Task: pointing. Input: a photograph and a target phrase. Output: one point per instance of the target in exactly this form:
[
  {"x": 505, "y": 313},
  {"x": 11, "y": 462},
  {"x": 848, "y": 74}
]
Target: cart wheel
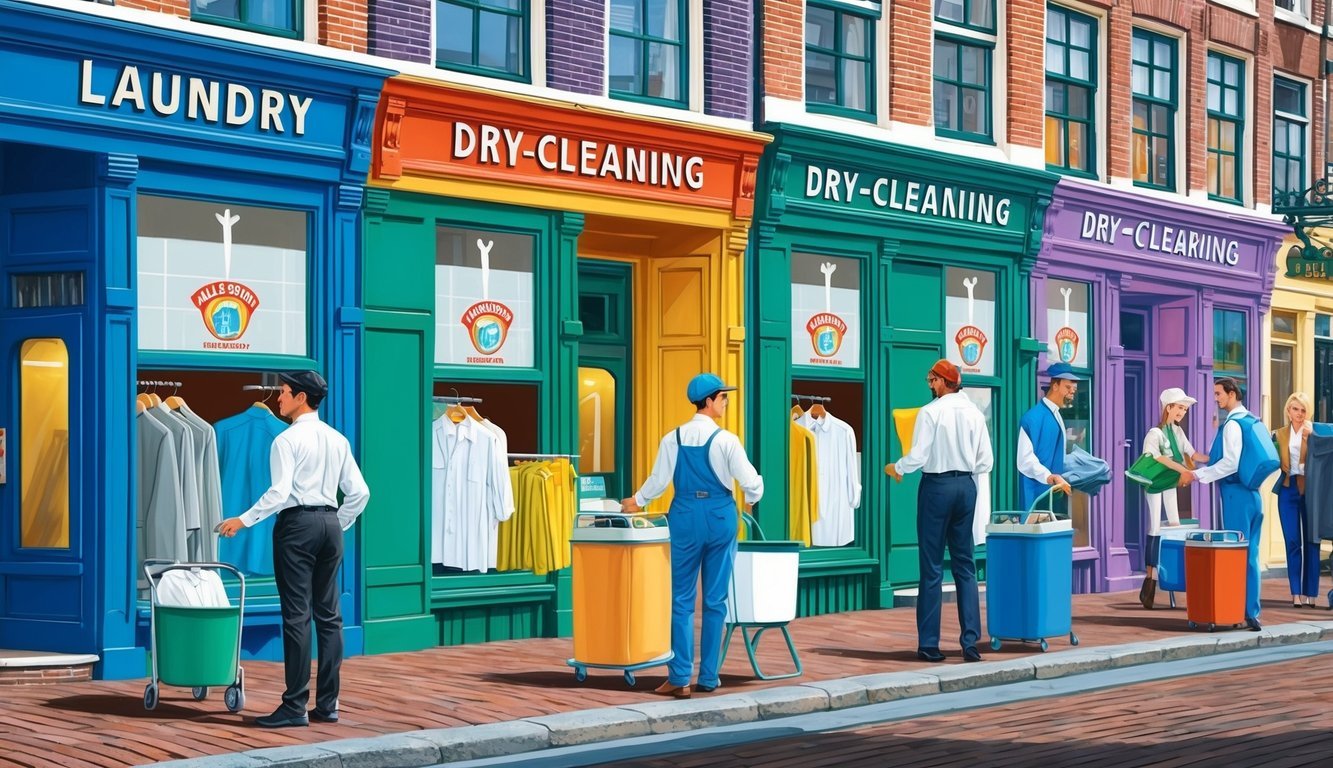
[
  {"x": 150, "y": 696},
  {"x": 1044, "y": 645},
  {"x": 1073, "y": 639},
  {"x": 1212, "y": 627},
  {"x": 234, "y": 698},
  {"x": 629, "y": 678},
  {"x": 199, "y": 692},
  {"x": 1192, "y": 625},
  {"x": 580, "y": 674},
  {"x": 995, "y": 643}
]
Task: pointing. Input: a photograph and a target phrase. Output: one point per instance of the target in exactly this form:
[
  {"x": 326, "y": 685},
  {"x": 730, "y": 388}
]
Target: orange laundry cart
[
  {"x": 622, "y": 593},
  {"x": 1215, "y": 578}
]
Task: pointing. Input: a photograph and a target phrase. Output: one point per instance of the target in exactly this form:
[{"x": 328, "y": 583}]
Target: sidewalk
[{"x": 104, "y": 723}]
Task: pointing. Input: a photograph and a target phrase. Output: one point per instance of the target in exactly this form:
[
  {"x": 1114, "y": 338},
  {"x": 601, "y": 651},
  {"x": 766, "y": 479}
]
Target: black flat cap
[{"x": 308, "y": 382}]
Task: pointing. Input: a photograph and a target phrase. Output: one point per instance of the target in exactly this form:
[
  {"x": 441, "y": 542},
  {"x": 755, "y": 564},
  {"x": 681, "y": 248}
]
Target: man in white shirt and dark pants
[
  {"x": 951, "y": 445},
  {"x": 310, "y": 463}
]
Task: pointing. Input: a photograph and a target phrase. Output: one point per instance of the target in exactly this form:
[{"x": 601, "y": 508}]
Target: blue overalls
[
  {"x": 1242, "y": 510},
  {"x": 703, "y": 526}
]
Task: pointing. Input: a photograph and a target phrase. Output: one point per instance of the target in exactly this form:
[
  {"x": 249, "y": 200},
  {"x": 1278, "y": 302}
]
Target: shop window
[
  {"x": 272, "y": 17},
  {"x": 839, "y": 61},
  {"x": 1284, "y": 383},
  {"x": 44, "y": 451},
  {"x": 1078, "y": 432},
  {"x": 1068, "y": 305},
  {"x": 1226, "y": 127},
  {"x": 221, "y": 278},
  {"x": 826, "y": 311},
  {"x": 487, "y": 37},
  {"x": 484, "y": 304},
  {"x": 1071, "y": 90},
  {"x": 1284, "y": 326},
  {"x": 648, "y": 58},
  {"x": 1154, "y": 118},
  {"x": 1230, "y": 346},
  {"x": 47, "y": 289},
  {"x": 598, "y": 426},
  {"x": 836, "y": 422},
  {"x": 1322, "y": 325},
  {"x": 1133, "y": 331},
  {"x": 969, "y": 320},
  {"x": 1291, "y": 121}
]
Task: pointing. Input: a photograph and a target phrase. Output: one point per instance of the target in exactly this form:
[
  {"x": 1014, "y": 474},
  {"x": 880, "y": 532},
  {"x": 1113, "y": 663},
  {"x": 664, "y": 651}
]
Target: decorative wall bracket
[{"x": 1308, "y": 212}]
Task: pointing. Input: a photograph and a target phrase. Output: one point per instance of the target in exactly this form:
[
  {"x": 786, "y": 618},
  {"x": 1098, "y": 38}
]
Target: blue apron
[{"x": 703, "y": 524}]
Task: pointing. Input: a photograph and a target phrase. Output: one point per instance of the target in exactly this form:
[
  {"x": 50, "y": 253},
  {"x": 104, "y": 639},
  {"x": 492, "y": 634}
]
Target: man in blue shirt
[{"x": 1041, "y": 437}]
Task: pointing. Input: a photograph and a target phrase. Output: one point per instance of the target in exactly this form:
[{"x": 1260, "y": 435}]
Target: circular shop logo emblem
[
  {"x": 1066, "y": 344},
  {"x": 827, "y": 331},
  {"x": 226, "y": 308},
  {"x": 971, "y": 343},
  {"x": 487, "y": 324}
]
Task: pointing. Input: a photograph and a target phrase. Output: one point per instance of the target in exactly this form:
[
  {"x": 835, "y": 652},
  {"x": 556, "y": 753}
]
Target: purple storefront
[{"x": 1141, "y": 294}]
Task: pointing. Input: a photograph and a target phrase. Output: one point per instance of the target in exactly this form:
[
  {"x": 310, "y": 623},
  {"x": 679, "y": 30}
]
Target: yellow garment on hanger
[
  {"x": 804, "y": 467},
  {"x": 537, "y": 536}
]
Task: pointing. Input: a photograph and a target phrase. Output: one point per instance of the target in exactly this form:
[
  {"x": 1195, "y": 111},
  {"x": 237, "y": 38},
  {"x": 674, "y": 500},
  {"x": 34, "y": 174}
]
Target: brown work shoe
[{"x": 679, "y": 691}]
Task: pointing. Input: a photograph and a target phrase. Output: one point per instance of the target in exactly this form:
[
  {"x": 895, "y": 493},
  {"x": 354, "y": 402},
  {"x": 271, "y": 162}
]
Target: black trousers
[
  {"x": 945, "y": 506},
  {"x": 307, "y": 554}
]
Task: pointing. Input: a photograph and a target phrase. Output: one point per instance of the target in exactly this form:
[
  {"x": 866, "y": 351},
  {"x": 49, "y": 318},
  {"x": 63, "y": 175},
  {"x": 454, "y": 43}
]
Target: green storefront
[{"x": 873, "y": 260}]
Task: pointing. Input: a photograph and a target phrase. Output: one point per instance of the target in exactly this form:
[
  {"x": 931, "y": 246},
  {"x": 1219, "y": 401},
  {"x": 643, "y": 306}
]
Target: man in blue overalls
[
  {"x": 1242, "y": 508},
  {"x": 703, "y": 463}
]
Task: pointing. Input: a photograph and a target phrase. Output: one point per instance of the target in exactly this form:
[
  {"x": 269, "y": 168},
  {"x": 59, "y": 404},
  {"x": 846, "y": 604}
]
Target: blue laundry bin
[
  {"x": 1171, "y": 558},
  {"x": 1029, "y": 577}
]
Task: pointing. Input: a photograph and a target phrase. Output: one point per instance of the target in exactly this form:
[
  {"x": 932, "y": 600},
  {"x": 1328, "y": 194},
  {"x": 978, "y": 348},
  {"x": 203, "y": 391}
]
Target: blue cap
[
  {"x": 703, "y": 385},
  {"x": 1062, "y": 371}
]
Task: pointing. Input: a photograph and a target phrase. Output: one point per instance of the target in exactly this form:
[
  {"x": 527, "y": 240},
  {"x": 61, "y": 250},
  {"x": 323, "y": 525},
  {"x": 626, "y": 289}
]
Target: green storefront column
[{"x": 904, "y": 216}]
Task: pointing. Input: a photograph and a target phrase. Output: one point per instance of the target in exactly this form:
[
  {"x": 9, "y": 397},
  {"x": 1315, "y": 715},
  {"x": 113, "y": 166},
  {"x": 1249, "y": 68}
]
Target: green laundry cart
[{"x": 196, "y": 646}]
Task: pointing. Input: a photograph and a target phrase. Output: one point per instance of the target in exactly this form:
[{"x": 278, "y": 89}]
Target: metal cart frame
[{"x": 234, "y": 697}]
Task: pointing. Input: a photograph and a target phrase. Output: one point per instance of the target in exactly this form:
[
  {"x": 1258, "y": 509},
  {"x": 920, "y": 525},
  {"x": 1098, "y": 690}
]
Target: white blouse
[
  {"x": 1156, "y": 444},
  {"x": 1294, "y": 451}
]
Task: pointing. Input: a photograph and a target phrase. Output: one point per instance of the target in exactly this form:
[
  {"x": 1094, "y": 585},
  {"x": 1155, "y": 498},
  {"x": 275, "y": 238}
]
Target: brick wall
[
  {"x": 343, "y": 24},
  {"x": 911, "y": 50},
  {"x": 728, "y": 73},
  {"x": 575, "y": 45},
  {"x": 1025, "y": 90},
  {"x": 400, "y": 29},
  {"x": 782, "y": 49},
  {"x": 174, "y": 7}
]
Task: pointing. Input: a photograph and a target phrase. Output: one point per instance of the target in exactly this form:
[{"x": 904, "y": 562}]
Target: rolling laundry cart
[
  {"x": 622, "y": 593},
  {"x": 1029, "y": 582},
  {"x": 196, "y": 644},
  {"x": 762, "y": 595},
  {"x": 1215, "y": 563},
  {"x": 1171, "y": 558}
]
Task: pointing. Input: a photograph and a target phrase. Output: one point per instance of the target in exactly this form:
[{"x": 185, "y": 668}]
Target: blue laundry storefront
[{"x": 173, "y": 208}]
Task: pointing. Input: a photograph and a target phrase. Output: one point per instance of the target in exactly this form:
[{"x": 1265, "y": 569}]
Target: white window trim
[
  {"x": 1099, "y": 102},
  {"x": 310, "y": 21},
  {"x": 1301, "y": 19},
  {"x": 1307, "y": 119},
  {"x": 1246, "y": 7}
]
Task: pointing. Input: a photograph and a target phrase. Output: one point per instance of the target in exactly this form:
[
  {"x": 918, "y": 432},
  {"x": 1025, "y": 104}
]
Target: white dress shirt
[
  {"x": 1155, "y": 443},
  {"x": 726, "y": 457},
  {"x": 839, "y": 480},
  {"x": 950, "y": 436},
  {"x": 1232, "y": 440},
  {"x": 471, "y": 494},
  {"x": 310, "y": 462},
  {"x": 1294, "y": 453},
  {"x": 1028, "y": 463}
]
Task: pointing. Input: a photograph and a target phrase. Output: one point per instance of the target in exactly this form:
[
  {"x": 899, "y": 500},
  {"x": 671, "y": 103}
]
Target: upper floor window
[
  {"x": 1154, "y": 126},
  {"x": 488, "y": 37},
  {"x": 1297, "y": 7},
  {"x": 964, "y": 47},
  {"x": 1071, "y": 88},
  {"x": 1226, "y": 126},
  {"x": 1291, "y": 120},
  {"x": 839, "y": 63},
  {"x": 272, "y": 17},
  {"x": 647, "y": 59}
]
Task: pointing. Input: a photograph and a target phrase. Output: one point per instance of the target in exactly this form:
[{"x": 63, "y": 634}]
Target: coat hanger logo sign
[
  {"x": 970, "y": 340},
  {"x": 827, "y": 330}
]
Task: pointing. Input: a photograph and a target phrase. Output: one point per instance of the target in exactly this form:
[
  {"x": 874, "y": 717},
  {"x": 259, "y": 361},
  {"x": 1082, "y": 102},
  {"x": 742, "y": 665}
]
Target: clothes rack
[
  {"x": 454, "y": 400},
  {"x": 154, "y": 383},
  {"x": 812, "y": 398},
  {"x": 543, "y": 456},
  {"x": 261, "y": 388}
]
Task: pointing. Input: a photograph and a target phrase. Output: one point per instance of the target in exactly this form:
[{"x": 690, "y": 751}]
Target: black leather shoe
[
  {"x": 1253, "y": 625},
  {"x": 320, "y": 716},
  {"x": 932, "y": 655},
  {"x": 971, "y": 654},
  {"x": 704, "y": 688},
  {"x": 281, "y": 719}
]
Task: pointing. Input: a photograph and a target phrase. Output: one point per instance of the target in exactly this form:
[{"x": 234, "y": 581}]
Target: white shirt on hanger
[
  {"x": 310, "y": 462},
  {"x": 839, "y": 480},
  {"x": 470, "y": 494}
]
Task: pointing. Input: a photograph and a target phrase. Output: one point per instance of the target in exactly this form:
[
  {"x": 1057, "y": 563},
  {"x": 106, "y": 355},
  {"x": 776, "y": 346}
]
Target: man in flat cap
[
  {"x": 1042, "y": 441},
  {"x": 310, "y": 463},
  {"x": 951, "y": 446}
]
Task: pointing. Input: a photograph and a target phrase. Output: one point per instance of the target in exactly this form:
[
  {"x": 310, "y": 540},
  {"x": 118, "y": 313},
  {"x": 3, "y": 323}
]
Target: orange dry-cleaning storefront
[{"x": 568, "y": 267}]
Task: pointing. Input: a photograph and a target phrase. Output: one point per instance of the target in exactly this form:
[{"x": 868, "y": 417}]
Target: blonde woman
[
  {"x": 1302, "y": 556},
  {"x": 1167, "y": 443}
]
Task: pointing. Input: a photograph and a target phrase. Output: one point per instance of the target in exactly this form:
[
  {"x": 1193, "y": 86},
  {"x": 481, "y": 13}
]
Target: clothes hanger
[
  {"x": 144, "y": 401},
  {"x": 456, "y": 414},
  {"x": 173, "y": 402},
  {"x": 471, "y": 411},
  {"x": 817, "y": 410},
  {"x": 796, "y": 411},
  {"x": 139, "y": 405}
]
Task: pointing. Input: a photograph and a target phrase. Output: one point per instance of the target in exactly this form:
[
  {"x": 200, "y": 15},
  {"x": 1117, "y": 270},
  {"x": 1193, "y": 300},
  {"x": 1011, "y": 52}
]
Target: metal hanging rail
[
  {"x": 544, "y": 456},
  {"x": 453, "y": 400},
  {"x": 154, "y": 383},
  {"x": 812, "y": 398},
  {"x": 262, "y": 388}
]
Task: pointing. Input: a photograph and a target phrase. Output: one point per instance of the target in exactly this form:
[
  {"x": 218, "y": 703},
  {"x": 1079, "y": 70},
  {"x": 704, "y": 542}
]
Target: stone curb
[{"x": 416, "y": 749}]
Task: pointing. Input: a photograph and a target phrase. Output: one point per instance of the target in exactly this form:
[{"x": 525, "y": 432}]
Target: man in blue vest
[
  {"x": 703, "y": 463},
  {"x": 1242, "y": 509},
  {"x": 1041, "y": 437}
]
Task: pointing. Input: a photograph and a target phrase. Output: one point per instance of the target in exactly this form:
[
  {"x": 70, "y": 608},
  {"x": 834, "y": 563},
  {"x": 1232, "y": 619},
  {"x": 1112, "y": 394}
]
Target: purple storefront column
[{"x": 1169, "y": 264}]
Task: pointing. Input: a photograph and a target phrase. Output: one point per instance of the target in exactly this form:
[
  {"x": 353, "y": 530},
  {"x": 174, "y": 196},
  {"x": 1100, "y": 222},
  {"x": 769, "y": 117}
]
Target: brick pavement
[
  {"x": 104, "y": 723},
  {"x": 1268, "y": 715}
]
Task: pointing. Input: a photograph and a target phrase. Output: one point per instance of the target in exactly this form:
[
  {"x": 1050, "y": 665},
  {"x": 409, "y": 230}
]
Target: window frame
[
  {"x": 839, "y": 55},
  {"x": 1219, "y": 117},
  {"x": 1303, "y": 120},
  {"x": 967, "y": 13},
  {"x": 524, "y": 14},
  {"x": 1066, "y": 80},
  {"x": 1172, "y": 105},
  {"x": 295, "y": 32},
  {"x": 1243, "y": 375},
  {"x": 960, "y": 42},
  {"x": 645, "y": 40}
]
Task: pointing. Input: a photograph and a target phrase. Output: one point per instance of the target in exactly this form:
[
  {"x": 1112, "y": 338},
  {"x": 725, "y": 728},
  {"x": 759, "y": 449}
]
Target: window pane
[
  {"x": 820, "y": 25},
  {"x": 821, "y": 84},
  {"x": 1161, "y": 55},
  {"x": 1214, "y": 97},
  {"x": 1055, "y": 97},
  {"x": 227, "y": 9},
  {"x": 974, "y": 111},
  {"x": 453, "y": 34},
  {"x": 981, "y": 15},
  {"x": 499, "y": 41},
  {"x": 597, "y": 421},
  {"x": 1079, "y": 99},
  {"x": 1140, "y": 48},
  {"x": 1281, "y": 367},
  {"x": 1080, "y": 34},
  {"x": 664, "y": 19},
  {"x": 1140, "y": 151},
  {"x": 626, "y": 16},
  {"x": 1055, "y": 24},
  {"x": 1161, "y": 84},
  {"x": 1214, "y": 68},
  {"x": 1078, "y": 133},
  {"x": 1296, "y": 140},
  {"x": 946, "y": 106},
  {"x": 275, "y": 13},
  {"x": 855, "y": 30},
  {"x": 1140, "y": 79},
  {"x": 1140, "y": 116},
  {"x": 44, "y": 444},
  {"x": 946, "y": 60},
  {"x": 1280, "y": 136},
  {"x": 664, "y": 70},
  {"x": 1160, "y": 118},
  {"x": 854, "y": 84},
  {"x": 949, "y": 10},
  {"x": 483, "y": 297},
  {"x": 626, "y": 65},
  {"x": 1055, "y": 58},
  {"x": 1161, "y": 162},
  {"x": 974, "y": 64},
  {"x": 1055, "y": 141},
  {"x": 1227, "y": 182},
  {"x": 1078, "y": 65},
  {"x": 1288, "y": 96}
]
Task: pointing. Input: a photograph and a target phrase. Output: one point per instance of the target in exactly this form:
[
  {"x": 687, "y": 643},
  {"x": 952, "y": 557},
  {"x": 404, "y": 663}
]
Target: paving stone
[
  {"x": 1288, "y": 634},
  {"x": 241, "y": 760},
  {"x": 891, "y": 686},
  {"x": 302, "y": 756},
  {"x": 394, "y": 751},
  {"x": 474, "y": 742},
  {"x": 789, "y": 700},
  {"x": 592, "y": 725},
  {"x": 1067, "y": 663},
  {"x": 1241, "y": 640},
  {"x": 1188, "y": 646},
  {"x": 689, "y": 714},
  {"x": 842, "y": 693},
  {"x": 1133, "y": 654},
  {"x": 962, "y": 677},
  {"x": 1325, "y": 627}
]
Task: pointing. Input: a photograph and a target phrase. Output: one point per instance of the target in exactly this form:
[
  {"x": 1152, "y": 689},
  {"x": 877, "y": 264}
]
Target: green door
[{"x": 605, "y": 289}]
